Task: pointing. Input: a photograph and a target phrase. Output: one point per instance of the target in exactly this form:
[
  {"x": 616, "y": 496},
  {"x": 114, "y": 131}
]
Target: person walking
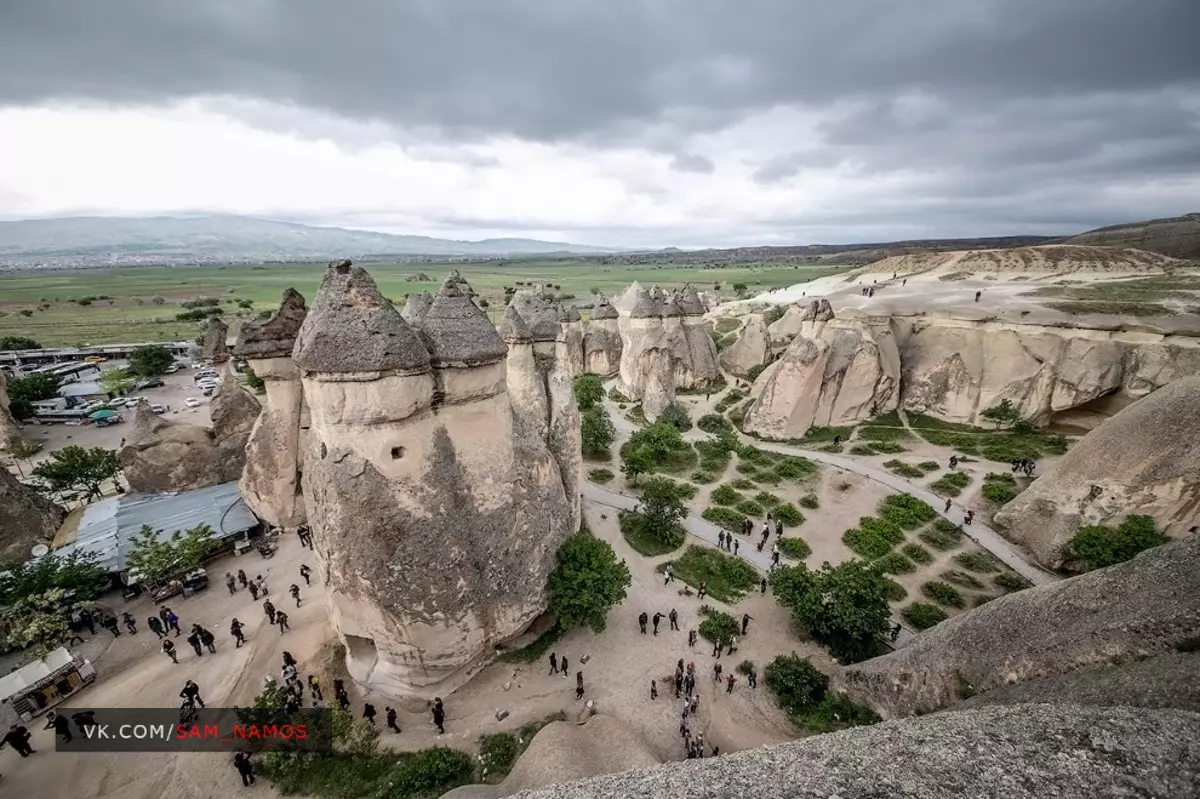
[
  {"x": 779, "y": 528},
  {"x": 970, "y": 517},
  {"x": 736, "y": 544},
  {"x": 62, "y": 727},
  {"x": 678, "y": 684},
  {"x": 343, "y": 700},
  {"x": 658, "y": 617},
  {"x": 168, "y": 649},
  {"x": 439, "y": 715},
  {"x": 578, "y": 685},
  {"x": 235, "y": 629},
  {"x": 231, "y": 583},
  {"x": 717, "y": 672},
  {"x": 746, "y": 619},
  {"x": 732, "y": 644},
  {"x": 262, "y": 584},
  {"x": 282, "y": 619},
  {"x": 689, "y": 683},
  {"x": 763, "y": 585},
  {"x": 315, "y": 688},
  {"x": 721, "y": 539},
  {"x": 553, "y": 663},
  {"x": 241, "y": 762},
  {"x": 562, "y": 666},
  {"x": 717, "y": 648},
  {"x": 173, "y": 622},
  {"x": 670, "y": 574},
  {"x": 653, "y": 690},
  {"x": 369, "y": 712},
  {"x": 253, "y": 589},
  {"x": 191, "y": 693},
  {"x": 703, "y": 590},
  {"x": 752, "y": 678},
  {"x": 241, "y": 576},
  {"x": 294, "y": 590},
  {"x": 691, "y": 638},
  {"x": 18, "y": 737},
  {"x": 269, "y": 609},
  {"x": 947, "y": 508},
  {"x": 209, "y": 640},
  {"x": 729, "y": 681},
  {"x": 156, "y": 626},
  {"x": 88, "y": 620},
  {"x": 642, "y": 619},
  {"x": 110, "y": 624},
  {"x": 194, "y": 640},
  {"x": 673, "y": 617},
  {"x": 306, "y": 573},
  {"x": 130, "y": 622},
  {"x": 391, "y": 720}
]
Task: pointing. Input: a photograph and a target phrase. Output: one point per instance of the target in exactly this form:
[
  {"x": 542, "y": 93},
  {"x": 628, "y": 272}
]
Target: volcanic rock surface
[
  {"x": 26, "y": 518},
  {"x": 602, "y": 339},
  {"x": 163, "y": 455}
]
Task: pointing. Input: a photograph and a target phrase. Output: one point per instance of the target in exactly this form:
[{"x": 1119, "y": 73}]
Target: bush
[
  {"x": 928, "y": 466},
  {"x": 659, "y": 447},
  {"x": 795, "y": 548},
  {"x": 702, "y": 477},
  {"x": 1011, "y": 581},
  {"x": 767, "y": 499},
  {"x": 961, "y": 579},
  {"x": 589, "y": 390},
  {"x": 906, "y": 511},
  {"x": 742, "y": 484},
  {"x": 1000, "y": 493},
  {"x": 844, "y": 608},
  {"x": 197, "y": 314},
  {"x": 725, "y": 494},
  {"x": 716, "y": 626},
  {"x": 788, "y": 514},
  {"x": 810, "y": 501},
  {"x": 797, "y": 685},
  {"x": 923, "y": 615},
  {"x": 1097, "y": 546},
  {"x": 728, "y": 518},
  {"x": 676, "y": 416},
  {"x": 981, "y": 562},
  {"x": 601, "y": 476},
  {"x": 497, "y": 754},
  {"x": 943, "y": 535},
  {"x": 943, "y": 594},
  {"x": 713, "y": 423},
  {"x": 868, "y": 544},
  {"x": 917, "y": 553},
  {"x": 728, "y": 578},
  {"x": 887, "y": 447},
  {"x": 888, "y": 531},
  {"x": 745, "y": 667},
  {"x": 794, "y": 468},
  {"x": 754, "y": 371},
  {"x": 748, "y": 469},
  {"x": 862, "y": 449},
  {"x": 951, "y": 484},
  {"x": 903, "y": 469},
  {"x": 750, "y": 508},
  {"x": 894, "y": 563},
  {"x": 896, "y": 592}
]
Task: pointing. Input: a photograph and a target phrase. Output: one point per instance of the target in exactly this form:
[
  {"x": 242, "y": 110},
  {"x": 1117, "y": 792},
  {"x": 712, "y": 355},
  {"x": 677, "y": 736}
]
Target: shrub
[
  {"x": 875, "y": 433},
  {"x": 676, "y": 416},
  {"x": 728, "y": 518},
  {"x": 716, "y": 626},
  {"x": 831, "y": 448},
  {"x": 951, "y": 484},
  {"x": 906, "y": 511},
  {"x": 797, "y": 685},
  {"x": 745, "y": 667},
  {"x": 1097, "y": 546},
  {"x": 659, "y": 447},
  {"x": 197, "y": 314},
  {"x": 795, "y": 548},
  {"x": 788, "y": 514},
  {"x": 793, "y": 468},
  {"x": 896, "y": 592},
  {"x": 961, "y": 579},
  {"x": 617, "y": 396},
  {"x": 702, "y": 477},
  {"x": 815, "y": 434},
  {"x": 843, "y": 607},
  {"x": 862, "y": 449},
  {"x": 750, "y": 507},
  {"x": 887, "y": 447},
  {"x": 903, "y": 469},
  {"x": 928, "y": 466},
  {"x": 725, "y": 494},
  {"x": 1000, "y": 493},
  {"x": 943, "y": 594},
  {"x": 767, "y": 499},
  {"x": 869, "y": 545},
  {"x": 917, "y": 553},
  {"x": 1011, "y": 581},
  {"x": 713, "y": 423},
  {"x": 589, "y": 390},
  {"x": 942, "y": 536},
  {"x": 1000, "y": 477},
  {"x": 587, "y": 581},
  {"x": 728, "y": 578},
  {"x": 888, "y": 531},
  {"x": 981, "y": 562},
  {"x": 894, "y": 563},
  {"x": 747, "y": 468},
  {"x": 923, "y": 615},
  {"x": 810, "y": 501},
  {"x": 601, "y": 476}
]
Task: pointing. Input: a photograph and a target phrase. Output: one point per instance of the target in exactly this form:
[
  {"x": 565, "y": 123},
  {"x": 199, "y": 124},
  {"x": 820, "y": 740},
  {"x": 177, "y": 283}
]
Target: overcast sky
[{"x": 622, "y": 122}]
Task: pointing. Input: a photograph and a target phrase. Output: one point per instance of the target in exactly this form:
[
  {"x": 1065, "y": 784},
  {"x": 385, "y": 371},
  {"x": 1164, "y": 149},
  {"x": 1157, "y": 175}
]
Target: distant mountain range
[{"x": 115, "y": 241}]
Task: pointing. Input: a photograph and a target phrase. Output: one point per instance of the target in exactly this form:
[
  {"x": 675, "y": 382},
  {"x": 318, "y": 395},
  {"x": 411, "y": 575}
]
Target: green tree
[
  {"x": 77, "y": 469},
  {"x": 156, "y": 557},
  {"x": 75, "y": 572},
  {"x": 150, "y": 360},
  {"x": 256, "y": 383},
  {"x": 1098, "y": 546},
  {"x": 587, "y": 582},
  {"x": 596, "y": 430},
  {"x": 115, "y": 381},
  {"x": 18, "y": 343},
  {"x": 844, "y": 607},
  {"x": 589, "y": 390},
  {"x": 636, "y": 463},
  {"x": 24, "y": 391},
  {"x": 662, "y": 509},
  {"x": 37, "y": 622},
  {"x": 22, "y": 449},
  {"x": 1003, "y": 413},
  {"x": 797, "y": 684},
  {"x": 676, "y": 416}
]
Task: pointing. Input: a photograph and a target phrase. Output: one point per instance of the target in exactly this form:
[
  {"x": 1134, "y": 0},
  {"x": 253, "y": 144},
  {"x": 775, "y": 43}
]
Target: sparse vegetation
[
  {"x": 962, "y": 579},
  {"x": 917, "y": 553},
  {"x": 728, "y": 578},
  {"x": 942, "y": 535},
  {"x": 601, "y": 476},
  {"x": 903, "y": 469},
  {"x": 795, "y": 548},
  {"x": 943, "y": 594},
  {"x": 1011, "y": 581},
  {"x": 979, "y": 562},
  {"x": 951, "y": 484},
  {"x": 923, "y": 615},
  {"x": 1097, "y": 546}
]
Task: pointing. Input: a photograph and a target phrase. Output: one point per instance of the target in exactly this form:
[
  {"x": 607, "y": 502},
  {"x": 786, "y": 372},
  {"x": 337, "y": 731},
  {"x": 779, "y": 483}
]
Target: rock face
[
  {"x": 1144, "y": 460},
  {"x": 161, "y": 455},
  {"x": 234, "y": 412},
  {"x": 270, "y": 481},
  {"x": 602, "y": 339},
  {"x": 9, "y": 430},
  {"x": 788, "y": 326},
  {"x": 835, "y": 371},
  {"x": 751, "y": 348},
  {"x": 956, "y": 368},
  {"x": 436, "y": 512},
  {"x": 26, "y": 518},
  {"x": 1003, "y": 752},
  {"x": 657, "y": 327},
  {"x": 1143, "y": 608},
  {"x": 215, "y": 348}
]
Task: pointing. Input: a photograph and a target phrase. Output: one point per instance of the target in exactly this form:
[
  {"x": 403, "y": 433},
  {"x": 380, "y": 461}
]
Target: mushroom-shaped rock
[
  {"x": 513, "y": 328},
  {"x": 603, "y": 308},
  {"x": 688, "y": 300},
  {"x": 275, "y": 336},
  {"x": 26, "y": 518},
  {"x": 215, "y": 348},
  {"x": 416, "y": 306},
  {"x": 456, "y": 332},
  {"x": 352, "y": 328},
  {"x": 539, "y": 313}
]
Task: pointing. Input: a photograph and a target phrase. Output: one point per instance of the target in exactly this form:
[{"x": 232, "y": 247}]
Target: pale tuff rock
[
  {"x": 10, "y": 431},
  {"x": 161, "y": 455},
  {"x": 1144, "y": 460},
  {"x": 750, "y": 349},
  {"x": 416, "y": 306},
  {"x": 458, "y": 506},
  {"x": 26, "y": 518},
  {"x": 956, "y": 369},
  {"x": 569, "y": 351},
  {"x": 653, "y": 323},
  {"x": 835, "y": 371},
  {"x": 602, "y": 339},
  {"x": 215, "y": 348},
  {"x": 788, "y": 326},
  {"x": 233, "y": 411},
  {"x": 270, "y": 482},
  {"x": 1129, "y": 612}
]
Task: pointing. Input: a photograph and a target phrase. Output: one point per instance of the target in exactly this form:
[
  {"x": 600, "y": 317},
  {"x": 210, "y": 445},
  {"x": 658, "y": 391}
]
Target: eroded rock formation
[
  {"x": 234, "y": 412},
  {"x": 215, "y": 347},
  {"x": 1145, "y": 607},
  {"x": 10, "y": 431},
  {"x": 751, "y": 348},
  {"x": 788, "y": 326},
  {"x": 270, "y": 482},
  {"x": 835, "y": 371},
  {"x": 1144, "y": 460},
  {"x": 602, "y": 339},
  {"x": 436, "y": 510},
  {"x": 26, "y": 518},
  {"x": 162, "y": 455}
]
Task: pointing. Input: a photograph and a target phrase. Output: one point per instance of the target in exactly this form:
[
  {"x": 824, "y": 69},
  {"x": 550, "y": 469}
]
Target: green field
[{"x": 131, "y": 315}]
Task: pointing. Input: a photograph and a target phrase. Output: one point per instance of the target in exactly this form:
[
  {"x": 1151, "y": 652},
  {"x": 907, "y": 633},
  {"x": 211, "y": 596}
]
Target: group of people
[{"x": 1024, "y": 465}]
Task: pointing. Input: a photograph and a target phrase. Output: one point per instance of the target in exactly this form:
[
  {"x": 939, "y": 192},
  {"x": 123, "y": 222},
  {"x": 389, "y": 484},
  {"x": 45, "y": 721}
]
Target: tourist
[
  {"x": 130, "y": 622},
  {"x": 732, "y": 644},
  {"x": 691, "y": 638},
  {"x": 689, "y": 683},
  {"x": 262, "y": 584},
  {"x": 241, "y": 576},
  {"x": 735, "y": 546},
  {"x": 231, "y": 583},
  {"x": 18, "y": 737},
  {"x": 717, "y": 648},
  {"x": 717, "y": 672},
  {"x": 970, "y": 517},
  {"x": 191, "y": 693},
  {"x": 562, "y": 666},
  {"x": 235, "y": 629},
  {"x": 703, "y": 590},
  {"x": 315, "y": 687},
  {"x": 678, "y": 684},
  {"x": 194, "y": 640},
  {"x": 653, "y": 690},
  {"x": 752, "y": 678},
  {"x": 369, "y": 712},
  {"x": 269, "y": 609},
  {"x": 287, "y": 658},
  {"x": 173, "y": 622},
  {"x": 156, "y": 626},
  {"x": 837, "y": 441},
  {"x": 62, "y": 728},
  {"x": 88, "y": 620},
  {"x": 947, "y": 508},
  {"x": 895, "y": 633},
  {"x": 282, "y": 619},
  {"x": 978, "y": 294},
  {"x": 763, "y": 585},
  {"x": 553, "y": 663},
  {"x": 779, "y": 528},
  {"x": 168, "y": 649},
  {"x": 670, "y": 574},
  {"x": 294, "y": 590},
  {"x": 721, "y": 539},
  {"x": 305, "y": 536},
  {"x": 774, "y": 559},
  {"x": 241, "y": 762},
  {"x": 687, "y": 709},
  {"x": 953, "y": 462},
  {"x": 110, "y": 624},
  {"x": 306, "y": 573},
  {"x": 439, "y": 714},
  {"x": 642, "y": 619},
  {"x": 578, "y": 685},
  {"x": 695, "y": 703},
  {"x": 209, "y": 640},
  {"x": 729, "y": 681},
  {"x": 673, "y": 617},
  {"x": 253, "y": 588},
  {"x": 746, "y": 619},
  {"x": 658, "y": 617},
  {"x": 343, "y": 700},
  {"x": 391, "y": 720}
]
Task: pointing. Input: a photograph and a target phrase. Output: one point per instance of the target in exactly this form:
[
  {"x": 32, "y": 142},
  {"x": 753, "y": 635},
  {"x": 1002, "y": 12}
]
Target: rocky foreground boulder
[
  {"x": 26, "y": 518},
  {"x": 1144, "y": 460},
  {"x": 751, "y": 348},
  {"x": 1146, "y": 607},
  {"x": 435, "y": 510},
  {"x": 164, "y": 455},
  {"x": 233, "y": 411},
  {"x": 215, "y": 348}
]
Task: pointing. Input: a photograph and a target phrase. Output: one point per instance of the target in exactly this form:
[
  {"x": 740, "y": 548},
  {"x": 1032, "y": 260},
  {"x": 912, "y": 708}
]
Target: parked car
[
  {"x": 158, "y": 408},
  {"x": 192, "y": 402},
  {"x": 118, "y": 402},
  {"x": 208, "y": 390},
  {"x": 173, "y": 368},
  {"x": 154, "y": 382}
]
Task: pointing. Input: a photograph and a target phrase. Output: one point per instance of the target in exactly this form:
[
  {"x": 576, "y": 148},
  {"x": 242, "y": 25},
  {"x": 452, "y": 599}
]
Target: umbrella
[{"x": 103, "y": 413}]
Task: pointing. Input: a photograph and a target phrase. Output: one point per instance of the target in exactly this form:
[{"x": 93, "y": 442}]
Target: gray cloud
[{"x": 690, "y": 162}]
